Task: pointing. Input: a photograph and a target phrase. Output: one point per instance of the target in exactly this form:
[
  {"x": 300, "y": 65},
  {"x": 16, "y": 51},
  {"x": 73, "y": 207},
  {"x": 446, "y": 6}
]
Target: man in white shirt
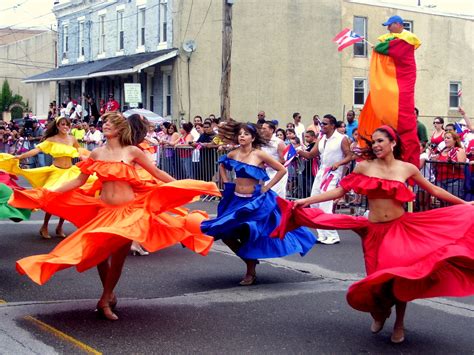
[
  {"x": 275, "y": 148},
  {"x": 93, "y": 138},
  {"x": 299, "y": 127},
  {"x": 334, "y": 150}
]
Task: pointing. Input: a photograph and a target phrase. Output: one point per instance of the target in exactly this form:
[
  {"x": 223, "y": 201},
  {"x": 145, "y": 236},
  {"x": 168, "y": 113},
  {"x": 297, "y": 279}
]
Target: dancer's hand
[{"x": 301, "y": 203}]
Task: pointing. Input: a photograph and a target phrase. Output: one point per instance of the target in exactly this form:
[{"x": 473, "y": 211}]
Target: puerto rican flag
[
  {"x": 289, "y": 154},
  {"x": 346, "y": 38}
]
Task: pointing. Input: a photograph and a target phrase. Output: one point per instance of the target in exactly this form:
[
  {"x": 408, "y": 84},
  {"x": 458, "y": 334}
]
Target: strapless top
[
  {"x": 244, "y": 170},
  {"x": 374, "y": 187},
  {"x": 110, "y": 171},
  {"x": 58, "y": 150}
]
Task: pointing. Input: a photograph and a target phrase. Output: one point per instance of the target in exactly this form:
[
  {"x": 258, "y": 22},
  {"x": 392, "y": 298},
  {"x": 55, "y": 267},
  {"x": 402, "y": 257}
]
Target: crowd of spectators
[{"x": 191, "y": 149}]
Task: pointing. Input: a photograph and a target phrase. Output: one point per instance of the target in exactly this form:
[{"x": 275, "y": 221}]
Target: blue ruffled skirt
[{"x": 251, "y": 220}]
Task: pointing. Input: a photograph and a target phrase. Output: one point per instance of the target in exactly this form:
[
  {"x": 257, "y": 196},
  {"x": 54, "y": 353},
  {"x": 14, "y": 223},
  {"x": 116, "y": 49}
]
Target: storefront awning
[{"x": 126, "y": 64}]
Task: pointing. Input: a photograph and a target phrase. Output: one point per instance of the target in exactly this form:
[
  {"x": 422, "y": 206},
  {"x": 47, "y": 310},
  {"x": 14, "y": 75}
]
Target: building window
[
  {"x": 102, "y": 34},
  {"x": 65, "y": 40},
  {"x": 141, "y": 27},
  {"x": 408, "y": 25},
  {"x": 167, "y": 95},
  {"x": 163, "y": 24},
  {"x": 120, "y": 32},
  {"x": 360, "y": 27},
  {"x": 454, "y": 94},
  {"x": 360, "y": 91},
  {"x": 81, "y": 39}
]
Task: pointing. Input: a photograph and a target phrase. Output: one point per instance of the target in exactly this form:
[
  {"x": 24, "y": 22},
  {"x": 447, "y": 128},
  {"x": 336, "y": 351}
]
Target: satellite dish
[{"x": 189, "y": 46}]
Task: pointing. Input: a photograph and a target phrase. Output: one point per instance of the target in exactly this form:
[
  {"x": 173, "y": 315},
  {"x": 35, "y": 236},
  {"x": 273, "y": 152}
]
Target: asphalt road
[{"x": 176, "y": 302}]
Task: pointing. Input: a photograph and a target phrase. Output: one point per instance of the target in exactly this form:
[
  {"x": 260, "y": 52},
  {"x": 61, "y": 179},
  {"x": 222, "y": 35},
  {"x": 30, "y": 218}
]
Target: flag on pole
[
  {"x": 345, "y": 38},
  {"x": 289, "y": 154}
]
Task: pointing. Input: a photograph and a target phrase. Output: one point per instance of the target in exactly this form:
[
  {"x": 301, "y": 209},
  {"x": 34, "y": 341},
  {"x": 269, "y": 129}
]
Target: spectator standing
[
  {"x": 352, "y": 123},
  {"x": 315, "y": 125},
  {"x": 451, "y": 176},
  {"x": 275, "y": 148},
  {"x": 334, "y": 150},
  {"x": 35, "y": 138},
  {"x": 299, "y": 127},
  {"x": 421, "y": 129},
  {"x": 93, "y": 138},
  {"x": 112, "y": 104},
  {"x": 197, "y": 119},
  {"x": 93, "y": 112},
  {"x": 438, "y": 135}
]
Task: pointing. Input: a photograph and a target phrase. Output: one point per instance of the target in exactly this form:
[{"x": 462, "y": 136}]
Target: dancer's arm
[
  {"x": 276, "y": 165},
  {"x": 338, "y": 192},
  {"x": 73, "y": 184},
  {"x": 223, "y": 173},
  {"x": 28, "y": 154},
  {"x": 141, "y": 159},
  {"x": 433, "y": 189}
]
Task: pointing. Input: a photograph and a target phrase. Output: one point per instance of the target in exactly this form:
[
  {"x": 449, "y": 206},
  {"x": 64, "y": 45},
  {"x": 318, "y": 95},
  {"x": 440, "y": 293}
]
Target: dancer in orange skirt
[
  {"x": 127, "y": 210},
  {"x": 407, "y": 255}
]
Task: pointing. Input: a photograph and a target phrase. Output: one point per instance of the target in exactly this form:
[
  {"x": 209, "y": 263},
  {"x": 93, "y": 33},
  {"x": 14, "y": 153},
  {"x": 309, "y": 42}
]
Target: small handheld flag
[
  {"x": 345, "y": 38},
  {"x": 289, "y": 154}
]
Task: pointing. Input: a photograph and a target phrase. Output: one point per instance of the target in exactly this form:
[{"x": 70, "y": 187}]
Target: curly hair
[{"x": 229, "y": 132}]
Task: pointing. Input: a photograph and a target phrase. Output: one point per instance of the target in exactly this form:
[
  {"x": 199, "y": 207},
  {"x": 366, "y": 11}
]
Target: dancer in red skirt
[{"x": 407, "y": 255}]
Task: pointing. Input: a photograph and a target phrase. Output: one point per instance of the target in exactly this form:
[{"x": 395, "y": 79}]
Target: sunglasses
[
  {"x": 436, "y": 122},
  {"x": 323, "y": 123}
]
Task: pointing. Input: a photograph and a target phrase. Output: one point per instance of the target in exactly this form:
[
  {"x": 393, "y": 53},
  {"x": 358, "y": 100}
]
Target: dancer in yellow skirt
[{"x": 63, "y": 148}]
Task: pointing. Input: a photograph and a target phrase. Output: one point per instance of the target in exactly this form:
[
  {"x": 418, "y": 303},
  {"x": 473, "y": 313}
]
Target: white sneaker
[{"x": 330, "y": 241}]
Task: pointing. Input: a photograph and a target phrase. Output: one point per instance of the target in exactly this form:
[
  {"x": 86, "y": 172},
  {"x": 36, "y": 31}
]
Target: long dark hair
[
  {"x": 229, "y": 133},
  {"x": 392, "y": 135},
  {"x": 139, "y": 126},
  {"x": 53, "y": 129}
]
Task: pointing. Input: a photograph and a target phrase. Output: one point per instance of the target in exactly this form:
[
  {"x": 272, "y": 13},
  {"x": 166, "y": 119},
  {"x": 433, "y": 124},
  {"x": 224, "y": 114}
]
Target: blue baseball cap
[{"x": 393, "y": 19}]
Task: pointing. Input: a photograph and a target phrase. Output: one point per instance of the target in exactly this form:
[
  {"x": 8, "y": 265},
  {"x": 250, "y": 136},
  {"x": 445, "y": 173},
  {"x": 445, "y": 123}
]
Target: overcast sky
[{"x": 29, "y": 13}]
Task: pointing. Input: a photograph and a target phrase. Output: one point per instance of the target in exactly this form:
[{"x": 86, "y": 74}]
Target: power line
[
  {"x": 26, "y": 65},
  {"x": 13, "y": 7},
  {"x": 204, "y": 20}
]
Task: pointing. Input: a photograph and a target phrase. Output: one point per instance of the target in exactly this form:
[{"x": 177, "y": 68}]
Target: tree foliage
[{"x": 7, "y": 98}]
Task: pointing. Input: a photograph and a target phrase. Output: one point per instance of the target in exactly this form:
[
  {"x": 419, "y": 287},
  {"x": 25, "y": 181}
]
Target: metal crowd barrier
[{"x": 201, "y": 164}]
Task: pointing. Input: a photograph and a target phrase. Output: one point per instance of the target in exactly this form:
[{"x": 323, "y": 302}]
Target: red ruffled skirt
[
  {"x": 419, "y": 255},
  {"x": 153, "y": 219}
]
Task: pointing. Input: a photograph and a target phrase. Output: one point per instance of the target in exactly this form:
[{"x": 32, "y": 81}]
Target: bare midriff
[
  {"x": 384, "y": 210},
  {"x": 62, "y": 162},
  {"x": 245, "y": 185},
  {"x": 116, "y": 192}
]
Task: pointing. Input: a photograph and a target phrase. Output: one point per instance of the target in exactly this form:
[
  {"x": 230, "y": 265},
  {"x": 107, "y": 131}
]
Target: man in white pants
[
  {"x": 275, "y": 148},
  {"x": 334, "y": 150}
]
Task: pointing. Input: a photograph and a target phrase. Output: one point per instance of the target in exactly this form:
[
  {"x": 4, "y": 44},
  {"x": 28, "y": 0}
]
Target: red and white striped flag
[
  {"x": 459, "y": 92},
  {"x": 346, "y": 38}
]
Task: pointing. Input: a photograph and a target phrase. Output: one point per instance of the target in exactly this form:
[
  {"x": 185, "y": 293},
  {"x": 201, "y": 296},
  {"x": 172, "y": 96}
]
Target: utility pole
[{"x": 226, "y": 58}]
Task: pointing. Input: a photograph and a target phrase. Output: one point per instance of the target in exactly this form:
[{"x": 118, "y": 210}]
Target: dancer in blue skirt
[{"x": 248, "y": 212}]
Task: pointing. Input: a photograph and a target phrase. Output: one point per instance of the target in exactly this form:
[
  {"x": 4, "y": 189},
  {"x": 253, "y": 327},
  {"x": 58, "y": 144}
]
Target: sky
[{"x": 37, "y": 13}]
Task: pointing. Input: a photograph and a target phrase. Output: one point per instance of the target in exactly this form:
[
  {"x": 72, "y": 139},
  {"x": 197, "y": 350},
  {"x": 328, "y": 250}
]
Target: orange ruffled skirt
[
  {"x": 153, "y": 219},
  {"x": 419, "y": 255}
]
